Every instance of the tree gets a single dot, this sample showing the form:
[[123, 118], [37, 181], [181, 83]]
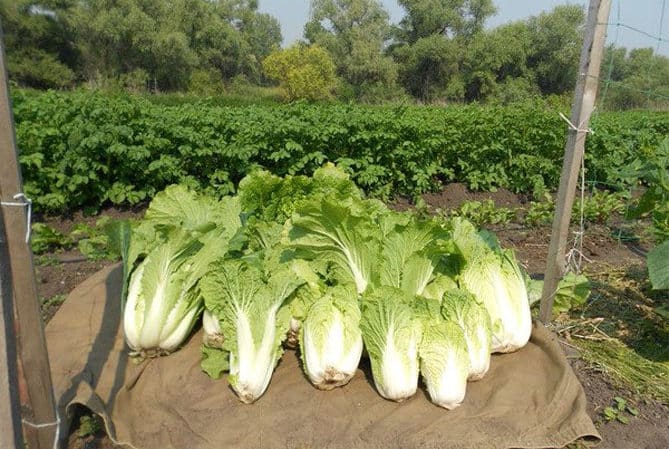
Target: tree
[[638, 78], [430, 68], [169, 40], [38, 43], [430, 44], [354, 32], [448, 18], [495, 61], [304, 72], [556, 40]]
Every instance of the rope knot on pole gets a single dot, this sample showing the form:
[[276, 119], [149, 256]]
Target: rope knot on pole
[[579, 128], [24, 202]]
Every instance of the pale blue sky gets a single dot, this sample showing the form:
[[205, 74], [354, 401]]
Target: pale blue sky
[[642, 14]]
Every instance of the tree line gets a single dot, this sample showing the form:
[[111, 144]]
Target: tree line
[[439, 51]]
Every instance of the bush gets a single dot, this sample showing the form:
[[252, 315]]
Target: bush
[[304, 72]]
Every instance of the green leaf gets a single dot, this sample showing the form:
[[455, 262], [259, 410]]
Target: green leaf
[[658, 266], [620, 403], [340, 233], [610, 413], [214, 361]]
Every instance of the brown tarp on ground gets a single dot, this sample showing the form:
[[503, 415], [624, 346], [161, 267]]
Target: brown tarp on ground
[[529, 399]]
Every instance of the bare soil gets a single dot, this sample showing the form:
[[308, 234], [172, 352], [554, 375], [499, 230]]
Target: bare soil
[[604, 254]]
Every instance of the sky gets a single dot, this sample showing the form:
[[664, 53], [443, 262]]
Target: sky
[[645, 15]]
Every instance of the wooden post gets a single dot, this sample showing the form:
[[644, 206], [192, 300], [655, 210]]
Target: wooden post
[[31, 343], [10, 413], [584, 102]]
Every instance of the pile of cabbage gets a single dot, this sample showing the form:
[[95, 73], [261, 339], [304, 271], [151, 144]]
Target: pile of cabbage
[[309, 263]]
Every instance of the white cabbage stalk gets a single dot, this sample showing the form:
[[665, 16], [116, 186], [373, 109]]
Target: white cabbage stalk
[[331, 340], [498, 283], [444, 363], [247, 306], [162, 303], [463, 309], [391, 335], [252, 365], [212, 335], [495, 278]]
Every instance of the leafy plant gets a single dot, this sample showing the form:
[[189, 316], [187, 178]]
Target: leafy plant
[[89, 425], [599, 206], [87, 149], [653, 170], [654, 202], [92, 241], [45, 238], [620, 411], [484, 213], [572, 292], [540, 213]]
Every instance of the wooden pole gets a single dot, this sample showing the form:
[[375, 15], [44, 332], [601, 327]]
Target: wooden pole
[[10, 413], [584, 102], [31, 343]]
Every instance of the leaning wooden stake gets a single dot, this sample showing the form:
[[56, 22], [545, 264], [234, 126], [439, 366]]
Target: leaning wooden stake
[[10, 413], [584, 102], [31, 342]]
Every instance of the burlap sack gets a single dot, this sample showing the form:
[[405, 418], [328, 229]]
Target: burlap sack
[[529, 399]]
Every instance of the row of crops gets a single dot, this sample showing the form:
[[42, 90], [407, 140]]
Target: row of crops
[[85, 150], [309, 263]]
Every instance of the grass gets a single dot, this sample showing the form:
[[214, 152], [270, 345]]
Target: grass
[[246, 96], [627, 367], [621, 332]]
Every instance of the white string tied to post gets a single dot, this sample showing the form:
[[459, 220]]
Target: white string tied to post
[[579, 128], [574, 257], [25, 202], [45, 425]]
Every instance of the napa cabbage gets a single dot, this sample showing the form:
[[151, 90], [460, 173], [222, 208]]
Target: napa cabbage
[[341, 233], [247, 303], [164, 257], [444, 362], [163, 301], [391, 334], [495, 278], [412, 252], [463, 309], [331, 340]]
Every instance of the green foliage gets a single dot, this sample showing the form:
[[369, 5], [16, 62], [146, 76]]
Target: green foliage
[[540, 213], [483, 213], [304, 72], [39, 49], [572, 292], [91, 241], [354, 33], [598, 207], [89, 425], [637, 78], [620, 411], [658, 266], [653, 171], [88, 149], [45, 238]]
